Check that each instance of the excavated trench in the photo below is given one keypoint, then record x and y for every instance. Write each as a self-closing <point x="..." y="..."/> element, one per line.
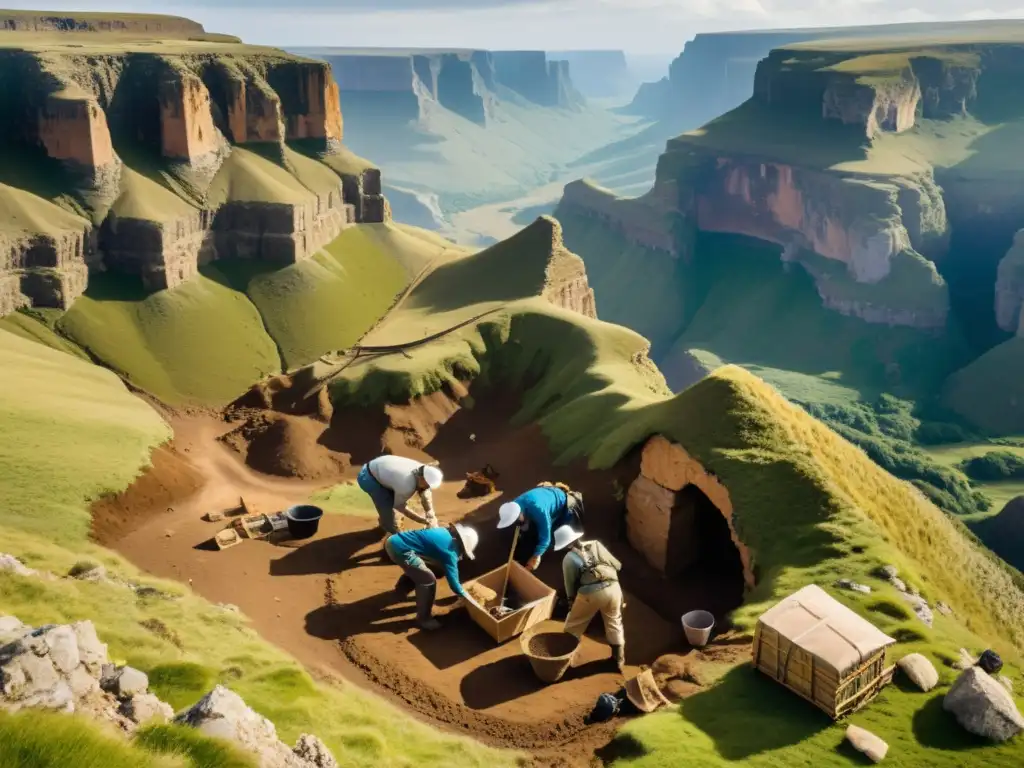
<point x="329" y="600"/>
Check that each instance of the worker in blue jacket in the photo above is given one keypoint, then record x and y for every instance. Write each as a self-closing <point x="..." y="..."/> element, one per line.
<point x="444" y="546"/>
<point x="538" y="512"/>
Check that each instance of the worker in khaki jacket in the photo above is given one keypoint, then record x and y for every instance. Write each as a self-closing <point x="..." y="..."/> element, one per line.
<point x="591" y="575"/>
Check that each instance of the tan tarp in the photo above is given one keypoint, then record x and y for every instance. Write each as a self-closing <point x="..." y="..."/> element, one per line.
<point x="826" y="629"/>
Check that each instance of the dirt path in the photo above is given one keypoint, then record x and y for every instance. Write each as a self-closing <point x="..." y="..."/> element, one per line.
<point x="329" y="600"/>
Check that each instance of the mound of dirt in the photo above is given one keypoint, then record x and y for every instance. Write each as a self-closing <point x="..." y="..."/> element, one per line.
<point x="286" y="446"/>
<point x="170" y="479"/>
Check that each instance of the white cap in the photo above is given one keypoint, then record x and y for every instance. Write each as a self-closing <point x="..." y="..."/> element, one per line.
<point x="508" y="513"/>
<point x="469" y="537"/>
<point x="433" y="476"/>
<point x="564" y="536"/>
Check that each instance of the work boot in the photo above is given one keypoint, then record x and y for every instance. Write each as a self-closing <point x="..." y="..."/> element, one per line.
<point x="619" y="655"/>
<point x="424" y="606"/>
<point x="404" y="586"/>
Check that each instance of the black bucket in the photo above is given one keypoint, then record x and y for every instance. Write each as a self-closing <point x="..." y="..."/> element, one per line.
<point x="303" y="520"/>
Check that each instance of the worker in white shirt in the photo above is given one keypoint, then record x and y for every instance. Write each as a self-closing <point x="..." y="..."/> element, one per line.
<point x="392" y="480"/>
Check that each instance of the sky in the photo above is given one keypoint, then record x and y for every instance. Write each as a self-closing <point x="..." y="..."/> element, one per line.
<point x="637" y="26"/>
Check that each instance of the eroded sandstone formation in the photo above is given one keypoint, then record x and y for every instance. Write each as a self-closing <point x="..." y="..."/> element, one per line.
<point x="565" y="278"/>
<point x="194" y="113"/>
<point x="653" y="509"/>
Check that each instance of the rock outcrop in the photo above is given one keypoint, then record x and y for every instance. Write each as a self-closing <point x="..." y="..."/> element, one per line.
<point x="983" y="707"/>
<point x="598" y="74"/>
<point x="224" y="128"/>
<point x="135" y="23"/>
<point x="652" y="501"/>
<point x="1010" y="288"/>
<point x="222" y="714"/>
<point x="65" y="668"/>
<point x="565" y="279"/>
<point x="533" y="76"/>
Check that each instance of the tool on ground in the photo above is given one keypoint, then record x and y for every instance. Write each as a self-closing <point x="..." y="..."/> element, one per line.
<point x="508" y="567"/>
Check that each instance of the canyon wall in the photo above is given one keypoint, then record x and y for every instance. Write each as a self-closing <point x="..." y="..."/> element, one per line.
<point x="598" y="74"/>
<point x="79" y="21"/>
<point x="172" y="162"/>
<point x="533" y="76"/>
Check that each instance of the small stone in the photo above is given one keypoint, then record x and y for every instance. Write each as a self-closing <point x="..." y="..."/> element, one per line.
<point x="229" y="607"/>
<point x="14" y="565"/>
<point x="11" y="629"/>
<point x="921" y="608"/>
<point x="888" y="572"/>
<point x="943" y="608"/>
<point x="63" y="647"/>
<point x="314" y="752"/>
<point x="983" y="707"/>
<point x="144" y="707"/>
<point x="853" y="586"/>
<point x="920" y="670"/>
<point x="94" y="572"/>
<point x="124" y="682"/>
<point x="213" y="517"/>
<point x="168" y="533"/>
<point x="867" y="743"/>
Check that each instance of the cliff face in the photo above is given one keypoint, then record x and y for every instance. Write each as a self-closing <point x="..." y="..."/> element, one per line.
<point x="136" y="23"/>
<point x="598" y="74"/>
<point x="240" y="156"/>
<point x="531" y="75"/>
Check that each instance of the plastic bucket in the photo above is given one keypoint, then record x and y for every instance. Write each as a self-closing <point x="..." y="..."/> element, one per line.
<point x="698" y="626"/>
<point x="303" y="520"/>
<point x="550" y="650"/>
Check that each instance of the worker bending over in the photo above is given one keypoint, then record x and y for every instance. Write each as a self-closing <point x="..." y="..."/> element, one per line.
<point x="538" y="512"/>
<point x="392" y="480"/>
<point x="444" y="546"/>
<point x="591" y="575"/>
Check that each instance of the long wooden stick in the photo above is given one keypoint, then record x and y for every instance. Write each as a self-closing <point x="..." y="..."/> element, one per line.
<point x="508" y="567"/>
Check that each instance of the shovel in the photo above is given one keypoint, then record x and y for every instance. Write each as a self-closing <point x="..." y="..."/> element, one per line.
<point x="508" y="567"/>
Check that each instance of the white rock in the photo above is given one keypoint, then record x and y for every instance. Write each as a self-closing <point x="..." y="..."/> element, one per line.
<point x="314" y="752"/>
<point x="27" y="675"/>
<point x="11" y="629"/>
<point x="82" y="683"/>
<point x="920" y="671"/>
<point x="91" y="651"/>
<point x="223" y="714"/>
<point x="1006" y="682"/>
<point x="983" y="706"/>
<point x="58" y="697"/>
<point x="866" y="742"/>
<point x="14" y="565"/>
<point x="921" y="608"/>
<point x="966" y="660"/>
<point x="63" y="645"/>
<point x="128" y="682"/>
<point x="853" y="586"/>
<point x="143" y="707"/>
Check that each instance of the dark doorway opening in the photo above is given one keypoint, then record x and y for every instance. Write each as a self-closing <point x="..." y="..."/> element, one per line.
<point x="700" y="546"/>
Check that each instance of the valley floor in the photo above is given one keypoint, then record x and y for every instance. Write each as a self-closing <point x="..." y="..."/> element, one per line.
<point x="329" y="600"/>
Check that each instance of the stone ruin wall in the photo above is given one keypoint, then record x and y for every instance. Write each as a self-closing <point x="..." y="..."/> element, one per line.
<point x="51" y="270"/>
<point x="666" y="468"/>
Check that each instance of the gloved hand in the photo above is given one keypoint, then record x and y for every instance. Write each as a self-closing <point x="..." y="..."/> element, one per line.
<point x="533" y="563"/>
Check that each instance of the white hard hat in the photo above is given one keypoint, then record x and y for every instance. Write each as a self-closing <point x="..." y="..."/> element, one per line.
<point x="433" y="476"/>
<point x="564" y="536"/>
<point x="469" y="537"/>
<point x="508" y="513"/>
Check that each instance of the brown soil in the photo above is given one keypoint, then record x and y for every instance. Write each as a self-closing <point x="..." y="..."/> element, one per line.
<point x="552" y="645"/>
<point x="286" y="446"/>
<point x="330" y="600"/>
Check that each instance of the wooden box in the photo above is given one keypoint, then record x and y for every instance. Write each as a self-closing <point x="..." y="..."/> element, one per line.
<point x="537" y="597"/>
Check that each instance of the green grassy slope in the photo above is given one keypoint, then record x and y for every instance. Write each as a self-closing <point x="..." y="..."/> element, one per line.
<point x="71" y="431"/>
<point x="201" y="341"/>
<point x="810" y="506"/>
<point x="209" y="339"/>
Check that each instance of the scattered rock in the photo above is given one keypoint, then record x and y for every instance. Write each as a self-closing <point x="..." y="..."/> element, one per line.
<point x="867" y="743"/>
<point x="11" y="629"/>
<point x="223" y="714"/>
<point x="144" y="707"/>
<point x="213" y="517"/>
<point x="990" y="662"/>
<point x="853" y="586"/>
<point x="14" y="565"/>
<point x="124" y="682"/>
<point x="920" y="670"/>
<point x="983" y="707"/>
<point x="888" y="572"/>
<point x="314" y="752"/>
<point x="911" y="594"/>
<point x="966" y="660"/>
<point x="229" y="607"/>
<point x="921" y="608"/>
<point x="88" y="572"/>
<point x="943" y="608"/>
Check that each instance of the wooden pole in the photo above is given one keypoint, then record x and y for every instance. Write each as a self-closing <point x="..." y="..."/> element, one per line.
<point x="508" y="567"/>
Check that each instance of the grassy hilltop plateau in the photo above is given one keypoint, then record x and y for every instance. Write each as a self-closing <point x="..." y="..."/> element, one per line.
<point x="789" y="363"/>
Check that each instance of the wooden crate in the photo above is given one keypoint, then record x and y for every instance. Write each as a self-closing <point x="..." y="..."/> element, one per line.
<point x="538" y="599"/>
